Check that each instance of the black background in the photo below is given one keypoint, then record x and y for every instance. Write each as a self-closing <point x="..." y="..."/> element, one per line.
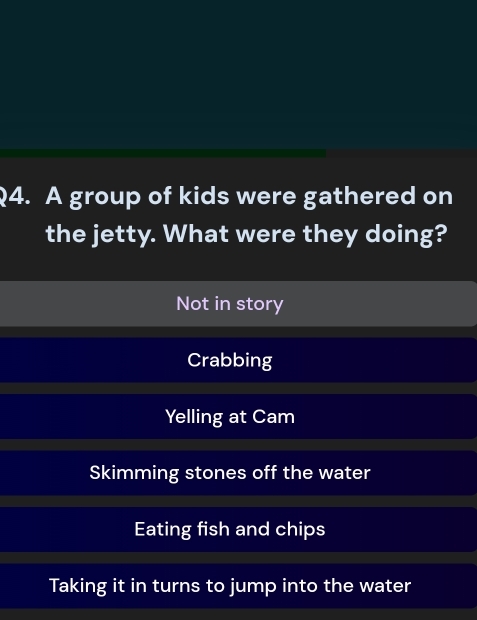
<point x="454" y="258"/>
<point x="26" y="254"/>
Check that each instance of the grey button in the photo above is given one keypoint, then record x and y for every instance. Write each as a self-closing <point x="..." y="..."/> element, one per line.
<point x="327" y="304"/>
